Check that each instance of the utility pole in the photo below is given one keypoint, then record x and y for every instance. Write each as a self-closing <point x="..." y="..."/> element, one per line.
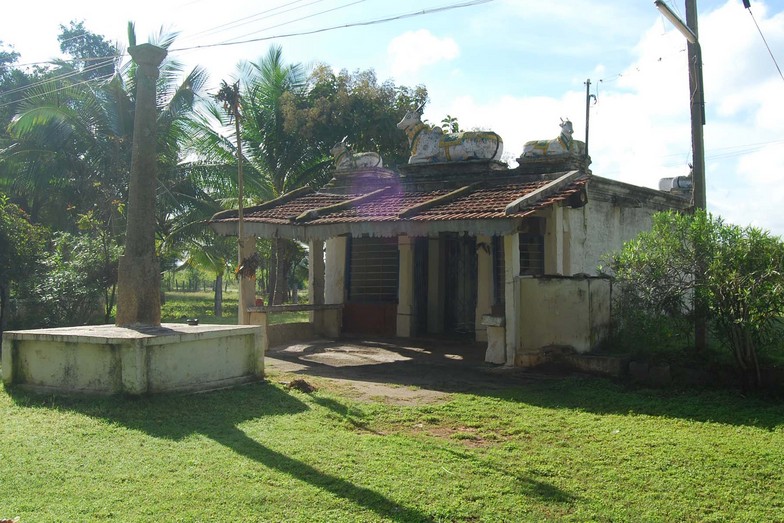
<point x="588" y="97"/>
<point x="697" y="106"/>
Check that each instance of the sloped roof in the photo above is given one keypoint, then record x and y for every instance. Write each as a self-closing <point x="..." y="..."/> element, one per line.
<point x="494" y="205"/>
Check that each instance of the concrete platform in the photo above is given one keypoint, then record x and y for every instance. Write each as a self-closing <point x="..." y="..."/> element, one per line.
<point x="106" y="359"/>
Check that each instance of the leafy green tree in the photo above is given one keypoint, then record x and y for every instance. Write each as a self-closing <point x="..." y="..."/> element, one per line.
<point x="93" y="56"/>
<point x="742" y="283"/>
<point x="354" y="105"/>
<point x="21" y="246"/>
<point x="72" y="145"/>
<point x="77" y="275"/>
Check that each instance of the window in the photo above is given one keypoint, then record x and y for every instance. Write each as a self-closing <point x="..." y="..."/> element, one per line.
<point x="532" y="248"/>
<point x="373" y="273"/>
<point x="499" y="271"/>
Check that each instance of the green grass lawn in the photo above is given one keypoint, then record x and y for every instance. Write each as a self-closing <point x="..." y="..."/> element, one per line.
<point x="180" y="305"/>
<point x="572" y="449"/>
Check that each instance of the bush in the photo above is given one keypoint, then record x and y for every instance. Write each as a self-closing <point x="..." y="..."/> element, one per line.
<point x="76" y="282"/>
<point x="736" y="272"/>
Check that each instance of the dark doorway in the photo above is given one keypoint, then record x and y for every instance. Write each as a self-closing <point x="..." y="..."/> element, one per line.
<point x="421" y="258"/>
<point x="461" y="284"/>
<point x="372" y="281"/>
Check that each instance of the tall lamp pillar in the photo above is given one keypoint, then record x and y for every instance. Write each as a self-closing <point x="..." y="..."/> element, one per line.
<point x="697" y="106"/>
<point x="138" y="285"/>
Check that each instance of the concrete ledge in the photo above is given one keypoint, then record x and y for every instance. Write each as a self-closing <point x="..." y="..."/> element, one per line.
<point x="106" y="359"/>
<point x="602" y="364"/>
<point x="281" y="333"/>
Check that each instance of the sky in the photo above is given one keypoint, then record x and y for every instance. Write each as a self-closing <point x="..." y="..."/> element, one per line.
<point x="512" y="66"/>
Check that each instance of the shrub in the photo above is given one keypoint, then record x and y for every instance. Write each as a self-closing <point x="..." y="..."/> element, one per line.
<point x="739" y="278"/>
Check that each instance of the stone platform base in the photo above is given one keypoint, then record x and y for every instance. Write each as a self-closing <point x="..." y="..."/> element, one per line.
<point x="106" y="359"/>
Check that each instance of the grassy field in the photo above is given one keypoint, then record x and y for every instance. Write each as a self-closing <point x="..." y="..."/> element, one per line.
<point x="180" y="305"/>
<point x="572" y="450"/>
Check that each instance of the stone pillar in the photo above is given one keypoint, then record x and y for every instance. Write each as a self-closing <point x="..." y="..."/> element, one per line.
<point x="435" y="287"/>
<point x="511" y="298"/>
<point x="316" y="280"/>
<point x="316" y="272"/>
<point x="484" y="292"/>
<point x="247" y="286"/>
<point x="553" y="247"/>
<point x="405" y="294"/>
<point x="139" y="278"/>
<point x="335" y="270"/>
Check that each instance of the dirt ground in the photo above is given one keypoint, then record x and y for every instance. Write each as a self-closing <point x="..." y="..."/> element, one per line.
<point x="396" y="371"/>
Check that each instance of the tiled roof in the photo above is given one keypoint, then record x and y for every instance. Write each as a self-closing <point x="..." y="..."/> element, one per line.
<point x="473" y="202"/>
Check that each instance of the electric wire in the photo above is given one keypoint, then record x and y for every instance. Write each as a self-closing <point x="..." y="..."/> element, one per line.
<point x="53" y="79"/>
<point x="298" y="20"/>
<point x="345" y="26"/>
<point x="766" y="43"/>
<point x="262" y="15"/>
<point x="363" y="23"/>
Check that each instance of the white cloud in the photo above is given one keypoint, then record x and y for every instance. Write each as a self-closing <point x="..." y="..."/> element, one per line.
<point x="640" y="127"/>
<point x="414" y="50"/>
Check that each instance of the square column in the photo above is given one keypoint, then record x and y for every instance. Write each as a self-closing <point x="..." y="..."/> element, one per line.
<point x="405" y="294"/>
<point x="335" y="270"/>
<point x="247" y="286"/>
<point x="484" y="292"/>
<point x="315" y="273"/>
<point x="511" y="298"/>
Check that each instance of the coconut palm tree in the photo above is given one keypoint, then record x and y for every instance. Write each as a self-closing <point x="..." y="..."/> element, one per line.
<point x="276" y="160"/>
<point x="71" y="146"/>
<point x="72" y="138"/>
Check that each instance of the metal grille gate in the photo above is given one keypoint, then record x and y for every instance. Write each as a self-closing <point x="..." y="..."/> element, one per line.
<point x="461" y="284"/>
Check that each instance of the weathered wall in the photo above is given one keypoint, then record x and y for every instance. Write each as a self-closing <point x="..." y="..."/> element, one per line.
<point x="106" y="359"/>
<point x="562" y="311"/>
<point x="616" y="212"/>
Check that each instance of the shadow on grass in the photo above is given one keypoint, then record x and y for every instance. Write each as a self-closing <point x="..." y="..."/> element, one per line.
<point x="426" y="366"/>
<point x="529" y="487"/>
<point x="217" y="415"/>
<point x="602" y="396"/>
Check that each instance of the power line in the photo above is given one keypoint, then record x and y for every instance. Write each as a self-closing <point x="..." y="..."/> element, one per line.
<point x="51" y="80"/>
<point x="357" y="24"/>
<point x="345" y="26"/>
<point x="57" y="90"/>
<point x="300" y="19"/>
<point x="55" y="78"/>
<point x="747" y="5"/>
<point x="268" y="13"/>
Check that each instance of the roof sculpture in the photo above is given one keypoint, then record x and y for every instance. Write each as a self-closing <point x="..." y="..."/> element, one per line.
<point x="454" y="184"/>
<point x="429" y="144"/>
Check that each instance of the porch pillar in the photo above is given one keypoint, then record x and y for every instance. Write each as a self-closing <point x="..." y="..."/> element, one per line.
<point x="315" y="273"/>
<point x="511" y="298"/>
<point x="316" y="282"/>
<point x="335" y="270"/>
<point x="484" y="279"/>
<point x="247" y="286"/>
<point x="435" y="286"/>
<point x="554" y="243"/>
<point x="405" y="294"/>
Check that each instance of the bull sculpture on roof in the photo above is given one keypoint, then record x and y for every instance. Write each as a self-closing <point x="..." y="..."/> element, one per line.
<point x="562" y="145"/>
<point x="431" y="145"/>
<point x="346" y="159"/>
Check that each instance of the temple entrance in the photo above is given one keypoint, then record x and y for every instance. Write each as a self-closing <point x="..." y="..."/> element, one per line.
<point x="371" y="281"/>
<point x="460" y="264"/>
